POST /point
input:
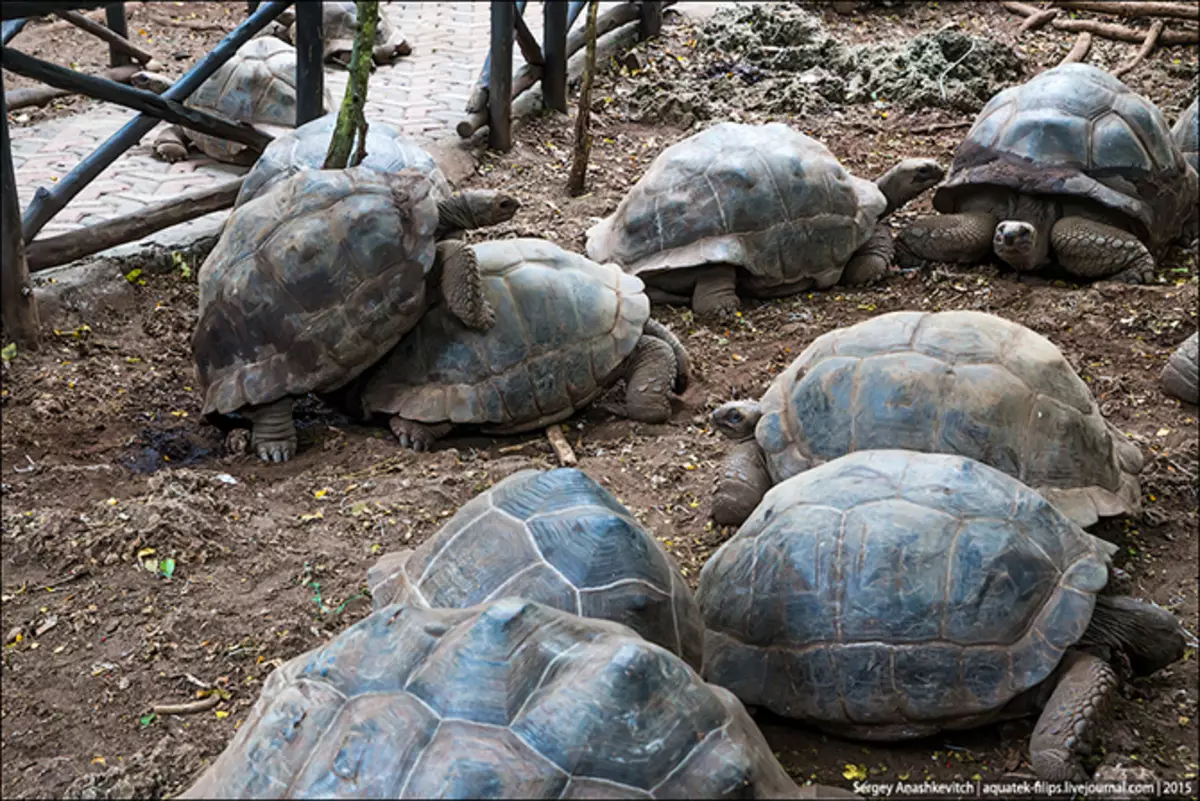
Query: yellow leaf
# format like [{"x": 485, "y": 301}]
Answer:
[
  {"x": 142, "y": 554},
  {"x": 308, "y": 518},
  {"x": 221, "y": 713},
  {"x": 321, "y": 493},
  {"x": 1162, "y": 432},
  {"x": 1184, "y": 720},
  {"x": 854, "y": 772},
  {"x": 99, "y": 760},
  {"x": 111, "y": 501}
]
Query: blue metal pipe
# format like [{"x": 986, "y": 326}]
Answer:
[{"x": 11, "y": 28}]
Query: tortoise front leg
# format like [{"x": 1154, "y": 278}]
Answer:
[
  {"x": 171, "y": 145},
  {"x": 462, "y": 286},
  {"x": 273, "y": 435},
  {"x": 648, "y": 380},
  {"x": 743, "y": 483},
  {"x": 871, "y": 261},
  {"x": 1065, "y": 730},
  {"x": 417, "y": 436},
  {"x": 1097, "y": 250},
  {"x": 964, "y": 238},
  {"x": 715, "y": 293}
]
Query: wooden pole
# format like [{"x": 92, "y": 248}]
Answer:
[
  {"x": 554, "y": 72},
  {"x": 19, "y": 307},
  {"x": 41, "y": 95},
  {"x": 114, "y": 15},
  {"x": 42, "y": 254},
  {"x": 583, "y": 135},
  {"x": 120, "y": 48},
  {"x": 652, "y": 15},
  {"x": 500, "y": 77},
  {"x": 478, "y": 99},
  {"x": 310, "y": 66},
  {"x": 352, "y": 122}
]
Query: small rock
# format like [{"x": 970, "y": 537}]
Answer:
[
  {"x": 225, "y": 478},
  {"x": 50, "y": 622},
  {"x": 124, "y": 683},
  {"x": 13, "y": 634}
]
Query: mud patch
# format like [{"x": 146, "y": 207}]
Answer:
[{"x": 159, "y": 448}]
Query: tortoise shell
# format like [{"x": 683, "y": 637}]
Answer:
[
  {"x": 555, "y": 537},
  {"x": 1076, "y": 130},
  {"x": 564, "y": 326},
  {"x": 1181, "y": 374},
  {"x": 258, "y": 86},
  {"x": 510, "y": 699},
  {"x": 305, "y": 148},
  {"x": 888, "y": 588},
  {"x": 339, "y": 22},
  {"x": 765, "y": 198},
  {"x": 1186, "y": 133},
  {"x": 959, "y": 382},
  {"x": 312, "y": 282}
]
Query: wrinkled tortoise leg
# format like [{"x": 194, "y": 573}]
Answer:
[
  {"x": 962, "y": 238},
  {"x": 462, "y": 286},
  {"x": 171, "y": 145},
  {"x": 715, "y": 293},
  {"x": 1068, "y": 723},
  {"x": 1094, "y": 249},
  {"x": 648, "y": 381},
  {"x": 417, "y": 436},
  {"x": 744, "y": 480},
  {"x": 273, "y": 436},
  {"x": 387, "y": 53},
  {"x": 871, "y": 261}
]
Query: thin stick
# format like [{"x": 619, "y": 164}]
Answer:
[
  {"x": 203, "y": 705},
  {"x": 1035, "y": 21},
  {"x": 1079, "y": 52},
  {"x": 1138, "y": 9},
  {"x": 562, "y": 448},
  {"x": 1146, "y": 49},
  {"x": 583, "y": 136},
  {"x": 941, "y": 126},
  {"x": 116, "y": 40}
]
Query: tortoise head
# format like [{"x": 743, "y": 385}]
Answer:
[
  {"x": 1016, "y": 243},
  {"x": 476, "y": 208},
  {"x": 909, "y": 179},
  {"x": 1150, "y": 636},
  {"x": 737, "y": 419}
]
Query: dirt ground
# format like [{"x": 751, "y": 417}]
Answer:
[{"x": 143, "y": 565}]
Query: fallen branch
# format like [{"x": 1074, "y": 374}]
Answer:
[
  {"x": 1079, "y": 52},
  {"x": 1135, "y": 9},
  {"x": 562, "y": 448},
  {"x": 1122, "y": 33},
  {"x": 583, "y": 136},
  {"x": 1037, "y": 20},
  {"x": 118, "y": 41},
  {"x": 41, "y": 95},
  {"x": 1148, "y": 45},
  {"x": 203, "y": 705},
  {"x": 1024, "y": 9},
  {"x": 942, "y": 126}
]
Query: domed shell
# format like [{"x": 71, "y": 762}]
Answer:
[
  {"x": 555, "y": 537},
  {"x": 311, "y": 283},
  {"x": 960, "y": 382},
  {"x": 763, "y": 197},
  {"x": 305, "y": 148},
  {"x": 564, "y": 326},
  {"x": 507, "y": 700},
  {"x": 339, "y": 21},
  {"x": 894, "y": 587},
  {"x": 1186, "y": 134},
  {"x": 1181, "y": 374},
  {"x": 258, "y": 86},
  {"x": 1077, "y": 130}
]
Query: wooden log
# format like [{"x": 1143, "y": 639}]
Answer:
[
  {"x": 18, "y": 306},
  {"x": 1122, "y": 33},
  {"x": 562, "y": 448},
  {"x": 1079, "y": 52},
  {"x": 576, "y": 179},
  {"x": 137, "y": 99},
  {"x": 554, "y": 74},
  {"x": 1038, "y": 20},
  {"x": 41, "y": 95},
  {"x": 42, "y": 254},
  {"x": 1146, "y": 49},
  {"x": 500, "y": 77},
  {"x": 478, "y": 99},
  {"x": 528, "y": 44},
  {"x": 1140, "y": 8}
]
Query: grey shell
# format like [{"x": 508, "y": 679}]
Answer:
[
  {"x": 960, "y": 382},
  {"x": 763, "y": 197},
  {"x": 555, "y": 537},
  {"x": 258, "y": 86},
  {"x": 1181, "y": 375},
  {"x": 893, "y": 587},
  {"x": 1076, "y": 130},
  {"x": 311, "y": 283},
  {"x": 305, "y": 148},
  {"x": 507, "y": 700},
  {"x": 1186, "y": 134},
  {"x": 339, "y": 20},
  {"x": 564, "y": 327}
]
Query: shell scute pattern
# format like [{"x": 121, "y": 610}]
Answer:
[
  {"x": 1186, "y": 133},
  {"x": 555, "y": 537},
  {"x": 910, "y": 586},
  {"x": 511, "y": 699}
]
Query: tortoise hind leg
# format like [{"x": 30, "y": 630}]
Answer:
[
  {"x": 462, "y": 286},
  {"x": 871, "y": 261},
  {"x": 715, "y": 294},
  {"x": 648, "y": 380},
  {"x": 743, "y": 483},
  {"x": 964, "y": 238},
  {"x": 1094, "y": 249},
  {"x": 273, "y": 436},
  {"x": 171, "y": 145},
  {"x": 1065, "y": 729},
  {"x": 417, "y": 436}
]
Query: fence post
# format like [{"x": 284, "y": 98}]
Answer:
[
  {"x": 114, "y": 16},
  {"x": 251, "y": 7},
  {"x": 20, "y": 312},
  {"x": 652, "y": 14},
  {"x": 310, "y": 67},
  {"x": 554, "y": 51},
  {"x": 500, "y": 80}
]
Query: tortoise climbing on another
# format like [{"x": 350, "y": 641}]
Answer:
[
  {"x": 339, "y": 22},
  {"x": 256, "y": 86},
  {"x": 890, "y": 595},
  {"x": 1180, "y": 374},
  {"x": 1186, "y": 133},
  {"x": 753, "y": 210},
  {"x": 1071, "y": 166},
  {"x": 305, "y": 148},
  {"x": 959, "y": 382},
  {"x": 566, "y": 329},
  {"x": 509, "y": 699},
  {"x": 555, "y": 537},
  {"x": 316, "y": 279}
]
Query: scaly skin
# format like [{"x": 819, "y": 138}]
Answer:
[
  {"x": 273, "y": 436},
  {"x": 715, "y": 294},
  {"x": 417, "y": 436},
  {"x": 1096, "y": 250},
  {"x": 1068, "y": 723},
  {"x": 648, "y": 380},
  {"x": 462, "y": 286},
  {"x": 744, "y": 480},
  {"x": 171, "y": 145},
  {"x": 871, "y": 261},
  {"x": 963, "y": 238}
]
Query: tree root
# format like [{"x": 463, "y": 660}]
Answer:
[
  {"x": 1079, "y": 52},
  {"x": 1141, "y": 8},
  {"x": 1146, "y": 49},
  {"x": 1037, "y": 20}
]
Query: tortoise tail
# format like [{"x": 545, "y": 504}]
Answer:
[{"x": 683, "y": 363}]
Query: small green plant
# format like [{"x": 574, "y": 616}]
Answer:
[
  {"x": 9, "y": 352},
  {"x": 134, "y": 277},
  {"x": 179, "y": 263}
]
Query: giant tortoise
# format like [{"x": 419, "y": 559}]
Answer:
[
  {"x": 509, "y": 699},
  {"x": 960, "y": 382},
  {"x": 256, "y": 86},
  {"x": 316, "y": 279},
  {"x": 889, "y": 595},
  {"x": 566, "y": 329},
  {"x": 757, "y": 210},
  {"x": 1071, "y": 166},
  {"x": 1181, "y": 375},
  {"x": 1186, "y": 133},
  {"x": 339, "y": 21},
  {"x": 555, "y": 537}
]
